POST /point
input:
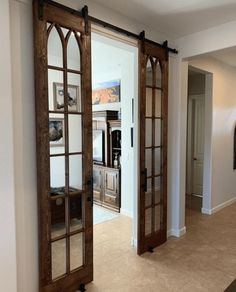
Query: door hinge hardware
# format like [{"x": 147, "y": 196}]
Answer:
[
  {"x": 142, "y": 39},
  {"x": 165, "y": 45},
  {"x": 85, "y": 16},
  {"x": 82, "y": 288},
  {"x": 150, "y": 249},
  {"x": 40, "y": 9}
]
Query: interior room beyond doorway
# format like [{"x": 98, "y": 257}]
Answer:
[{"x": 114, "y": 92}]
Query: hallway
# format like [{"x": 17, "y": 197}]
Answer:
[{"x": 204, "y": 259}]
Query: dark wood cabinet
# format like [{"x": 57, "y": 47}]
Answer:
[
  {"x": 106, "y": 175},
  {"x": 106, "y": 187}
]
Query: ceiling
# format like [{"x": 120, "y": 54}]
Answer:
[
  {"x": 227, "y": 56},
  {"x": 176, "y": 18}
]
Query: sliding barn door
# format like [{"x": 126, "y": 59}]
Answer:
[
  {"x": 153, "y": 146},
  {"x": 64, "y": 147}
]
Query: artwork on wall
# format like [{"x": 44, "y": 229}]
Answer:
[
  {"x": 106, "y": 92},
  {"x": 56, "y": 132},
  {"x": 73, "y": 97}
]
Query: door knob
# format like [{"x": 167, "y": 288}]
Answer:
[{"x": 194, "y": 158}]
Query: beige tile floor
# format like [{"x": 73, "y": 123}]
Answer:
[{"x": 204, "y": 259}]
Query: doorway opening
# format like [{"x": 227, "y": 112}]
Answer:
[
  {"x": 114, "y": 102},
  {"x": 199, "y": 109}
]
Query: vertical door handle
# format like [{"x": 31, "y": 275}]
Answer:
[
  {"x": 90, "y": 189},
  {"x": 145, "y": 180}
]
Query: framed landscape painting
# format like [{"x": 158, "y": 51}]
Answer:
[
  {"x": 106, "y": 92},
  {"x": 73, "y": 97}
]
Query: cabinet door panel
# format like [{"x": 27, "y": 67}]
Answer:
[
  {"x": 111, "y": 199},
  {"x": 111, "y": 181}
]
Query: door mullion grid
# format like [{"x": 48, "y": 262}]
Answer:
[{"x": 153, "y": 144}]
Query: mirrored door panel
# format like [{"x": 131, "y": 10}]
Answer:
[
  {"x": 64, "y": 148},
  {"x": 153, "y": 147}
]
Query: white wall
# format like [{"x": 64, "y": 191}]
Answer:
[
  {"x": 8, "y": 274},
  {"x": 223, "y": 123}
]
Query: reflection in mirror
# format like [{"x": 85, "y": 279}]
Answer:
[
  {"x": 75, "y": 170},
  {"x": 75, "y": 213},
  {"x": 157, "y": 221},
  {"x": 56, "y": 133},
  {"x": 55, "y": 55},
  {"x": 148, "y": 132},
  {"x": 55, "y": 90},
  {"x": 76, "y": 251},
  {"x": 73, "y": 53},
  {"x": 157, "y": 161},
  {"x": 58, "y": 258},
  {"x": 148, "y": 161},
  {"x": 157, "y": 103},
  {"x": 74, "y": 92},
  {"x": 157, "y": 132},
  {"x": 148, "y": 221},
  {"x": 57, "y": 175},
  {"x": 75, "y": 133},
  {"x": 158, "y": 75},
  {"x": 148, "y": 102},
  {"x": 148, "y": 193},
  {"x": 149, "y": 73},
  {"x": 157, "y": 190},
  {"x": 58, "y": 225}
]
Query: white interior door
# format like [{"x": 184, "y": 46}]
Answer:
[{"x": 198, "y": 144}]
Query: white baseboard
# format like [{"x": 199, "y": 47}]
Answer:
[
  {"x": 176, "y": 232},
  {"x": 126, "y": 213},
  {"x": 219, "y": 207}
]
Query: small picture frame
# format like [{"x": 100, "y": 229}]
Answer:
[
  {"x": 56, "y": 132},
  {"x": 73, "y": 97}
]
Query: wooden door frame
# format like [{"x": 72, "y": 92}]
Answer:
[
  {"x": 145, "y": 50},
  {"x": 44, "y": 13}
]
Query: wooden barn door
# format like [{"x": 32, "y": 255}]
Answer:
[
  {"x": 153, "y": 146},
  {"x": 64, "y": 146}
]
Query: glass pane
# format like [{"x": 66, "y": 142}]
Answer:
[
  {"x": 157, "y": 190},
  {"x": 58, "y": 226},
  {"x": 157, "y": 103},
  {"x": 148, "y": 161},
  {"x": 57, "y": 175},
  {"x": 149, "y": 73},
  {"x": 157, "y": 221},
  {"x": 75, "y": 133},
  {"x": 65, "y": 31},
  {"x": 76, "y": 251},
  {"x": 157, "y": 161},
  {"x": 148, "y": 194},
  {"x": 73, "y": 53},
  {"x": 148, "y": 130},
  {"x": 157, "y": 132},
  {"x": 75, "y": 213},
  {"x": 75, "y": 178},
  {"x": 148, "y": 221},
  {"x": 158, "y": 75},
  {"x": 58, "y": 258},
  {"x": 148, "y": 102},
  {"x": 55, "y": 55},
  {"x": 55, "y": 90},
  {"x": 56, "y": 133},
  {"x": 74, "y": 92}
]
